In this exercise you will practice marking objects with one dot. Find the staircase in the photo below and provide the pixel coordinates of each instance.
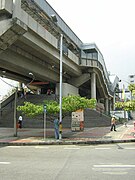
(92, 118)
(7, 111)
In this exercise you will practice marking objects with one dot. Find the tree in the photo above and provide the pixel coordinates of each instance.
(131, 88)
(128, 105)
(69, 104)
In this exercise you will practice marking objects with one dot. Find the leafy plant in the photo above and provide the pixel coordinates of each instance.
(129, 105)
(69, 104)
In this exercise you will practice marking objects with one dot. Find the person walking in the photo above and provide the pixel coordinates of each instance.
(60, 130)
(113, 124)
(22, 93)
(56, 128)
(20, 121)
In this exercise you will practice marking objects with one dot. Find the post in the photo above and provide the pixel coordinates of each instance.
(15, 120)
(114, 101)
(33, 78)
(16, 8)
(44, 121)
(93, 85)
(60, 88)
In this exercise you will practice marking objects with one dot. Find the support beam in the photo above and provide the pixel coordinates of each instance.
(6, 6)
(107, 105)
(10, 32)
(17, 9)
(93, 85)
(24, 65)
(80, 80)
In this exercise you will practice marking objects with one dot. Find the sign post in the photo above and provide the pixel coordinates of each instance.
(44, 121)
(15, 120)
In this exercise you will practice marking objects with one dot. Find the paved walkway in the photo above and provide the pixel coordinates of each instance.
(97, 135)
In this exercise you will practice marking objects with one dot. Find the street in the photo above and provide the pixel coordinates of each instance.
(68, 162)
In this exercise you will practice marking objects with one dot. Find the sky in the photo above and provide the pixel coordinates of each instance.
(108, 23)
(6, 85)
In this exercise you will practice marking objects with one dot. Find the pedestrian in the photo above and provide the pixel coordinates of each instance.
(22, 93)
(125, 123)
(20, 121)
(129, 115)
(113, 123)
(56, 128)
(25, 93)
(60, 130)
(49, 92)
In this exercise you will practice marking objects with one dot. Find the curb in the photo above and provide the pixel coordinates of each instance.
(66, 142)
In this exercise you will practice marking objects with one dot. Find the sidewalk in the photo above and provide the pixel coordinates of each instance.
(97, 135)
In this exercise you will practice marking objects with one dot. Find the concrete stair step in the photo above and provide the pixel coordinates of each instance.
(92, 117)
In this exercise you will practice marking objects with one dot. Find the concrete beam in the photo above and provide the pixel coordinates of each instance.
(80, 80)
(48, 50)
(17, 9)
(23, 65)
(93, 85)
(39, 38)
(10, 32)
(6, 6)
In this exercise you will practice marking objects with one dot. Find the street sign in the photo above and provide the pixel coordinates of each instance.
(44, 107)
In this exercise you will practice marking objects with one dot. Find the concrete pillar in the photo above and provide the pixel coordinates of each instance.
(20, 86)
(114, 100)
(93, 85)
(57, 89)
(107, 105)
(17, 8)
(6, 6)
(67, 89)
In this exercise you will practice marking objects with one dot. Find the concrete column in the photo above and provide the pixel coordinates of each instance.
(112, 105)
(114, 102)
(106, 105)
(17, 8)
(6, 6)
(20, 86)
(57, 89)
(67, 89)
(93, 85)
(109, 105)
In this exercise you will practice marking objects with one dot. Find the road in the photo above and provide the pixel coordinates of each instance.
(71, 162)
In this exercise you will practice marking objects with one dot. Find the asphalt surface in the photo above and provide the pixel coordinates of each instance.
(97, 135)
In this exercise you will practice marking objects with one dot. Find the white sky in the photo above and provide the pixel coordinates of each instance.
(108, 23)
(6, 85)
